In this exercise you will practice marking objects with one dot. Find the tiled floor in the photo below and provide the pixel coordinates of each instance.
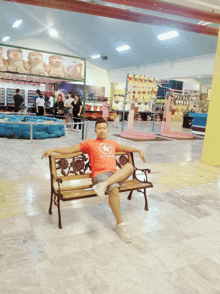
(176, 243)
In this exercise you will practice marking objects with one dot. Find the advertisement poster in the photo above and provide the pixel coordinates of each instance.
(93, 93)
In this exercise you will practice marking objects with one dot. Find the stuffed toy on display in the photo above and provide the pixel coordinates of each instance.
(2, 61)
(146, 79)
(36, 63)
(136, 80)
(141, 80)
(128, 96)
(76, 71)
(15, 61)
(55, 67)
(130, 78)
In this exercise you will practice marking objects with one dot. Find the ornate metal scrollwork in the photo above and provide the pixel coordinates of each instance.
(55, 199)
(77, 166)
(122, 160)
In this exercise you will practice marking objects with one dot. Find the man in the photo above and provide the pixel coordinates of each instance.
(68, 108)
(18, 99)
(101, 153)
(35, 98)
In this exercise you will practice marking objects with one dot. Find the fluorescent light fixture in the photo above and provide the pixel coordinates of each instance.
(123, 48)
(95, 56)
(5, 39)
(204, 23)
(53, 33)
(168, 35)
(17, 23)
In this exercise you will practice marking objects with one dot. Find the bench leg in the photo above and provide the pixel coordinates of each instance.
(59, 214)
(51, 202)
(130, 194)
(146, 203)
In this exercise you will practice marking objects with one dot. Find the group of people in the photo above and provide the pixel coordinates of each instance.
(68, 109)
(62, 108)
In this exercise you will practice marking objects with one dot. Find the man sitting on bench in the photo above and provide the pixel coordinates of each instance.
(101, 153)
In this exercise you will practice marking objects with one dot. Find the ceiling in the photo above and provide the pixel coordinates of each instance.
(86, 35)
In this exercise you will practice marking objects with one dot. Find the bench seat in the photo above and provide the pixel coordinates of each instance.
(71, 178)
(84, 191)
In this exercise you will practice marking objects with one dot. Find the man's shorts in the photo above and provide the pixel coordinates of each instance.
(103, 177)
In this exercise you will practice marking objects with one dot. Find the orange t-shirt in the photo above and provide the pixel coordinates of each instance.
(101, 155)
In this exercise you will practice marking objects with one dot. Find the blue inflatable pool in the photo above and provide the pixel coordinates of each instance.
(22, 131)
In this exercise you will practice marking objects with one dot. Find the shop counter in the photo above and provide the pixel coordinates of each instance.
(199, 123)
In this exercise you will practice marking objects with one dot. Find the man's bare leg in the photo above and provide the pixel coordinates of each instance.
(121, 228)
(120, 174)
(114, 203)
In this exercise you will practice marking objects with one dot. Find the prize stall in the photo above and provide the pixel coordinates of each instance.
(166, 123)
(26, 66)
(139, 89)
(200, 119)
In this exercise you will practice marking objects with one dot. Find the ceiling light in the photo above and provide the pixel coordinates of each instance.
(95, 56)
(17, 23)
(168, 35)
(204, 23)
(123, 48)
(5, 39)
(53, 33)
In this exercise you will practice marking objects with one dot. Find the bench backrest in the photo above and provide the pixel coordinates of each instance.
(77, 166)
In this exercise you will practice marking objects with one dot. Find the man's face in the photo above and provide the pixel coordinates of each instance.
(101, 131)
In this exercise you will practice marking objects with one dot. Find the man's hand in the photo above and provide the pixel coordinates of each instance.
(47, 153)
(142, 156)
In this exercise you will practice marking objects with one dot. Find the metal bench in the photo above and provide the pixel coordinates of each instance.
(71, 178)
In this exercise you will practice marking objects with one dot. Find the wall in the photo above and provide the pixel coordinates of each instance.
(197, 67)
(19, 86)
(190, 84)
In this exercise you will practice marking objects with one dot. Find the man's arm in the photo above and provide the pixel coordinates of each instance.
(130, 149)
(67, 150)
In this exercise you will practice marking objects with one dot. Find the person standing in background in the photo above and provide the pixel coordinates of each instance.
(77, 110)
(68, 107)
(35, 98)
(117, 118)
(59, 107)
(40, 105)
(47, 104)
(105, 107)
(51, 99)
(18, 99)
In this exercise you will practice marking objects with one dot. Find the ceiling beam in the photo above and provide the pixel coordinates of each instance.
(116, 13)
(170, 8)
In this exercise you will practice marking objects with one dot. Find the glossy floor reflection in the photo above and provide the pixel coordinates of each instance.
(176, 243)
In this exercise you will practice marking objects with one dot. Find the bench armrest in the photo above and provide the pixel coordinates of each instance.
(143, 173)
(58, 180)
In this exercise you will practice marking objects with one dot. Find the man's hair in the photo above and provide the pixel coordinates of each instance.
(100, 120)
(17, 91)
(38, 91)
